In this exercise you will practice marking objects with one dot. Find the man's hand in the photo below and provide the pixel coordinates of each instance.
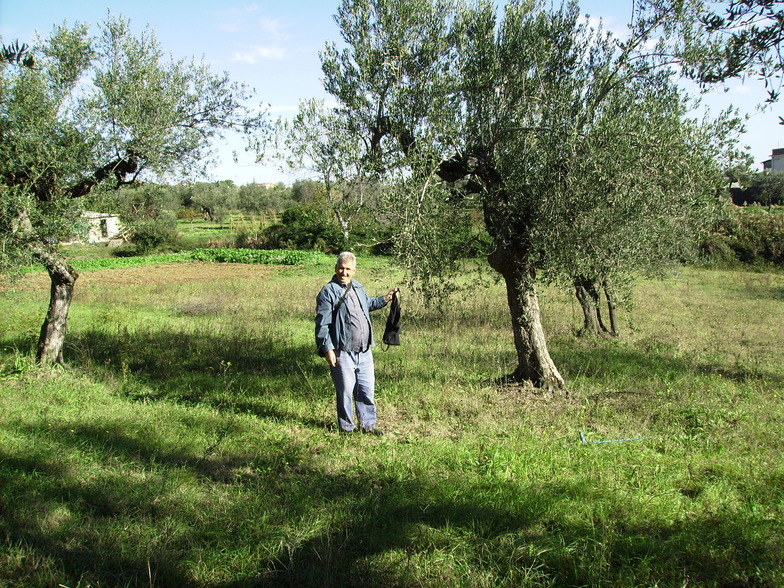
(391, 294)
(332, 359)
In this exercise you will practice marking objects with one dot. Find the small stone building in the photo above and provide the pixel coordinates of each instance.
(103, 226)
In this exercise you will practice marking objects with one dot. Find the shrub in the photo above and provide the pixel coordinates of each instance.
(762, 236)
(306, 226)
(748, 235)
(149, 234)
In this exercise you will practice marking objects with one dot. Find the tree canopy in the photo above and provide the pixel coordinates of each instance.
(573, 147)
(320, 140)
(78, 112)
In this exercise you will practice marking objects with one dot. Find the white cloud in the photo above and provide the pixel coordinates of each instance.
(274, 27)
(234, 20)
(250, 18)
(259, 53)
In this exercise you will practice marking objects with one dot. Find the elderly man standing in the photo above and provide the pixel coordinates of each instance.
(344, 336)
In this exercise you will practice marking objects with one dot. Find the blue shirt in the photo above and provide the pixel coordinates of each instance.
(333, 323)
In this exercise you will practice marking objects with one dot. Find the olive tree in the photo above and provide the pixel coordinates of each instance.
(84, 113)
(521, 116)
(215, 200)
(644, 185)
(320, 140)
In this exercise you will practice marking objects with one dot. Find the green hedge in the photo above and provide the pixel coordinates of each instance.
(221, 255)
(258, 256)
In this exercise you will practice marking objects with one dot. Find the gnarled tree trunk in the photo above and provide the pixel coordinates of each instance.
(588, 296)
(63, 277)
(588, 291)
(511, 259)
(534, 362)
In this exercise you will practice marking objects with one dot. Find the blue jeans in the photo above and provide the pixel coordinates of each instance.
(354, 378)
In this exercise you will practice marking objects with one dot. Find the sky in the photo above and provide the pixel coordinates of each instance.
(273, 47)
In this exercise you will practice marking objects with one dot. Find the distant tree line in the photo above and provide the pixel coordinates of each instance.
(748, 230)
(262, 216)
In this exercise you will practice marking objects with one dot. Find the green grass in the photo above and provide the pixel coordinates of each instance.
(192, 442)
(199, 233)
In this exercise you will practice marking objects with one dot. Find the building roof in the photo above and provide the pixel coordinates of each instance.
(92, 214)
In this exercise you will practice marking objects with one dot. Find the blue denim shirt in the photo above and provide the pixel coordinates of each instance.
(333, 330)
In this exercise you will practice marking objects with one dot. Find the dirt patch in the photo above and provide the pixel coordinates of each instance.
(163, 273)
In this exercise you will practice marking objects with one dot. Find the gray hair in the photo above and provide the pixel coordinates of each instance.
(346, 256)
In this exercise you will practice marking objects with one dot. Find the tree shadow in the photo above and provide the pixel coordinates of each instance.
(90, 554)
(378, 514)
(609, 360)
(381, 530)
(381, 527)
(234, 372)
(128, 530)
(237, 372)
(517, 539)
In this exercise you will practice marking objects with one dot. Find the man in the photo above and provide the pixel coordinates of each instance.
(344, 336)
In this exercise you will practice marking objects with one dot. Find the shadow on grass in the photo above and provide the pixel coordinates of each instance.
(83, 547)
(604, 362)
(412, 533)
(136, 518)
(611, 360)
(235, 371)
(361, 528)
(371, 529)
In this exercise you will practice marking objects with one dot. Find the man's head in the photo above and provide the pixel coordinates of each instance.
(345, 267)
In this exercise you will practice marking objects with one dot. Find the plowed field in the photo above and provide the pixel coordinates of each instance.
(164, 273)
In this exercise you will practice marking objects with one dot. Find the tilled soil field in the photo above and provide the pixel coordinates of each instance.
(164, 273)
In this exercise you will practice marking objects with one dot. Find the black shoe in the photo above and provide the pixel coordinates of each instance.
(346, 432)
(374, 431)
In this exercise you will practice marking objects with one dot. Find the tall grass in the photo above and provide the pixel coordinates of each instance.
(192, 441)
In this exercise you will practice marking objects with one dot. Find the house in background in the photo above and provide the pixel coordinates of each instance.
(776, 161)
(103, 226)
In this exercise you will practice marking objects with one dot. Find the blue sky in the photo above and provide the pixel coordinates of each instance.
(273, 47)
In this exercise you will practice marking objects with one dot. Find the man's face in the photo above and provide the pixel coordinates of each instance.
(345, 271)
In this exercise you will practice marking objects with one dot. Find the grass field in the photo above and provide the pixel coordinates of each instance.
(192, 441)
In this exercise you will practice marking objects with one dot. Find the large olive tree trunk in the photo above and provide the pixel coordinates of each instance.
(63, 277)
(534, 363)
(511, 259)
